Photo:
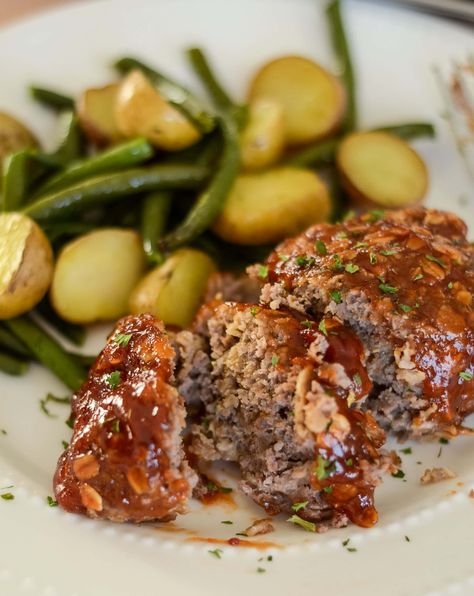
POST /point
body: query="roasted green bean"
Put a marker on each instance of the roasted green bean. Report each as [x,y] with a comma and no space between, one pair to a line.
[11,344]
[47,351]
[346,70]
[211,200]
[51,99]
[176,94]
[74,333]
[15,180]
[71,139]
[103,189]
[155,209]
[11,365]
[124,155]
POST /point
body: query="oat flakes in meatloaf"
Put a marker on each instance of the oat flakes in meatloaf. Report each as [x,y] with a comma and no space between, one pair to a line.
[404,281]
[281,404]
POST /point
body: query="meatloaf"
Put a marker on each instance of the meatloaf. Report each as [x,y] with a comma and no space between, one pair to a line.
[125,461]
[404,281]
[281,404]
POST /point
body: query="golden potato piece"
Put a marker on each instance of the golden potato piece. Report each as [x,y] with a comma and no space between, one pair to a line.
[26,264]
[14,136]
[263,138]
[95,275]
[313,100]
[173,291]
[380,169]
[267,207]
[96,112]
[142,111]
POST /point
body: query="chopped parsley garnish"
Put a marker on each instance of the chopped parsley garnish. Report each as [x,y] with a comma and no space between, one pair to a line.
[357,380]
[351,268]
[113,379]
[323,468]
[349,461]
[466,375]
[284,258]
[274,360]
[345,544]
[418,276]
[306,525]
[444,441]
[336,296]
[3,431]
[307,324]
[122,339]
[351,549]
[388,253]
[262,271]
[213,488]
[70,421]
[7,496]
[436,260]
[341,235]
[50,397]
[450,285]
[407,539]
[116,426]
[322,327]
[399,474]
[361,245]
[337,266]
[373,258]
[321,247]
[388,289]
[328,489]
[261,570]
[376,214]
[297,506]
[254,310]
[227,522]
[217,552]
[51,502]
[304,261]
[65,444]
[440,452]
[406,451]
[405,307]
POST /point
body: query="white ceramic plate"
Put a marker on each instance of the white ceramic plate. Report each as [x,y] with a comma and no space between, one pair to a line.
[424,541]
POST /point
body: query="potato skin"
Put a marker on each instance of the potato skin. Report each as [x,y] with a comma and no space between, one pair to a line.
[263,138]
[26,264]
[141,111]
[14,136]
[267,207]
[99,125]
[313,99]
[95,274]
[393,198]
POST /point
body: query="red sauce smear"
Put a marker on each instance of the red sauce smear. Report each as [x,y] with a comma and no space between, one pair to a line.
[258,544]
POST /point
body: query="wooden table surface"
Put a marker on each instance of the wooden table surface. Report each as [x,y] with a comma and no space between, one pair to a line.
[11,10]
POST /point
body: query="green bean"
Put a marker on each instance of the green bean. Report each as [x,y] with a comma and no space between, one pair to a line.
[155,210]
[47,351]
[71,139]
[176,94]
[84,360]
[51,99]
[74,333]
[56,230]
[10,343]
[11,365]
[124,155]
[108,187]
[211,200]
[346,71]
[218,95]
[324,152]
[15,180]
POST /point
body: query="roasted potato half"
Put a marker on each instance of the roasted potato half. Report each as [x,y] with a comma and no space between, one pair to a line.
[14,136]
[263,138]
[379,169]
[173,291]
[26,264]
[95,274]
[267,207]
[96,112]
[141,111]
[313,100]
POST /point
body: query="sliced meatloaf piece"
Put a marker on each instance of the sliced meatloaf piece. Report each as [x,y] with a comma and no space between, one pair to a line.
[281,405]
[404,281]
[125,461]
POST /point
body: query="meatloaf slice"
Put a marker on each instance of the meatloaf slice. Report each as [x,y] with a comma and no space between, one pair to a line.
[125,461]
[281,405]
[404,282]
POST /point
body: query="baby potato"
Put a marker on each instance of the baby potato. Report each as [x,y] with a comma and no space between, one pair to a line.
[141,111]
[173,291]
[313,100]
[26,264]
[14,136]
[379,169]
[95,274]
[267,207]
[96,112]
[263,138]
